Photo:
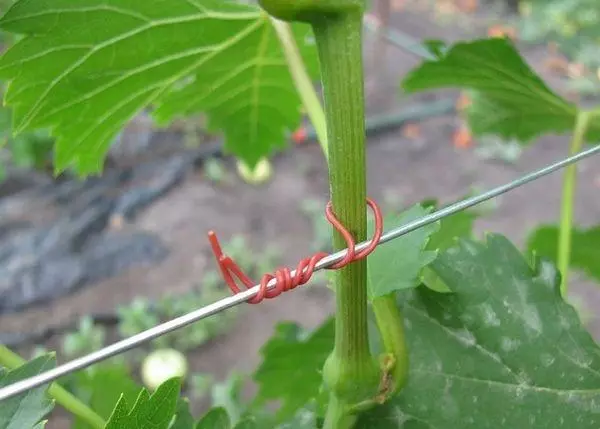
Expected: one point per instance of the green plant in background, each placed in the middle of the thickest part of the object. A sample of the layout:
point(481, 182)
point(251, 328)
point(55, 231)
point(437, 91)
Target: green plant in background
point(493, 148)
point(136, 317)
point(215, 171)
point(86, 339)
point(200, 385)
point(429, 331)
point(141, 314)
point(193, 131)
point(198, 334)
point(574, 26)
point(32, 150)
point(531, 109)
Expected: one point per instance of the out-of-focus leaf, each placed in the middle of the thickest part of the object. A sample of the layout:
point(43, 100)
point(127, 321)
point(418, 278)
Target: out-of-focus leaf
point(183, 417)
point(216, 418)
point(585, 247)
point(291, 367)
point(227, 395)
point(507, 98)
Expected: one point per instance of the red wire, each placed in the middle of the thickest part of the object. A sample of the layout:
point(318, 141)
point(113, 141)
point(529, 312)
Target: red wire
point(305, 268)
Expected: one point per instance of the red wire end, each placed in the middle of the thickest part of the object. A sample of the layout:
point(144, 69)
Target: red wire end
point(284, 280)
point(300, 135)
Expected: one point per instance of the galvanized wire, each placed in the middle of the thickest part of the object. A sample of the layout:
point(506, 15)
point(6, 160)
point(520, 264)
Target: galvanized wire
point(223, 304)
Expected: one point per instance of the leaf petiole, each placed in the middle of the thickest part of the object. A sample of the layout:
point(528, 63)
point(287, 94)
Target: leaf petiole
point(568, 193)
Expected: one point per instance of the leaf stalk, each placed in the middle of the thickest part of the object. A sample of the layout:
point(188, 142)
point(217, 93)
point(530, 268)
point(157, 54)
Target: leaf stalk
point(303, 83)
point(568, 194)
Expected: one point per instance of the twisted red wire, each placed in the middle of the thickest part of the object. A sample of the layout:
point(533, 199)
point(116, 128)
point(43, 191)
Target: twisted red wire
point(305, 268)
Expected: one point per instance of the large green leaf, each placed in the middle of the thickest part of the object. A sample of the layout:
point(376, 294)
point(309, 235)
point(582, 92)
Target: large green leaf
point(85, 68)
point(26, 411)
point(585, 247)
point(396, 265)
point(503, 351)
point(508, 98)
point(291, 367)
point(154, 411)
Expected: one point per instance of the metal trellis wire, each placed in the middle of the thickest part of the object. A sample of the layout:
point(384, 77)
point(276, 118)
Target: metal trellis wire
point(223, 304)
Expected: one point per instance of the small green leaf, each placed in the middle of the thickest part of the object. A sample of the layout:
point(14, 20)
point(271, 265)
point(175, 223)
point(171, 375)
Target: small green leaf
point(154, 411)
point(216, 418)
point(396, 265)
point(504, 350)
point(26, 411)
point(183, 417)
point(508, 98)
point(585, 247)
point(291, 367)
point(85, 68)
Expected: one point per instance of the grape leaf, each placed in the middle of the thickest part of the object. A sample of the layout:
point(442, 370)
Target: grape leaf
point(291, 367)
point(508, 98)
point(504, 350)
point(154, 411)
point(216, 418)
point(405, 255)
point(84, 69)
point(585, 247)
point(26, 411)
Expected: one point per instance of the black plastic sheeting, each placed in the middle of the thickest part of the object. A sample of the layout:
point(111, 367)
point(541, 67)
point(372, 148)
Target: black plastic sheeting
point(48, 259)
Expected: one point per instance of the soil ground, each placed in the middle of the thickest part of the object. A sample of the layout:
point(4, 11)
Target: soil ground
point(411, 169)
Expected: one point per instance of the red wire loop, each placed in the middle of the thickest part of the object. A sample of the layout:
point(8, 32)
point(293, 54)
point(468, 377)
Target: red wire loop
point(305, 268)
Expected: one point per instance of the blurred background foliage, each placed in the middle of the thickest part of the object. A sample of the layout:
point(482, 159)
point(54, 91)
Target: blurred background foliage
point(573, 27)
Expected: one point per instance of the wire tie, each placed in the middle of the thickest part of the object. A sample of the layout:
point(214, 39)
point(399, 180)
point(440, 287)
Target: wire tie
point(284, 280)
